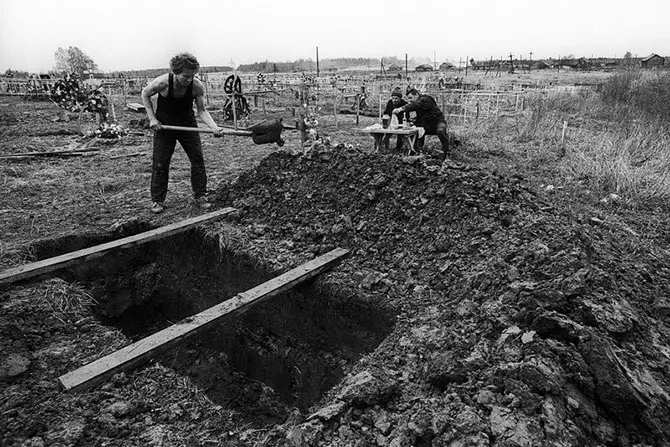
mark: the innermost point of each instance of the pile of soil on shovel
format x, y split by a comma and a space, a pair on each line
519, 322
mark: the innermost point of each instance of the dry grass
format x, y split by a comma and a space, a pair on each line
633, 162
64, 301
582, 137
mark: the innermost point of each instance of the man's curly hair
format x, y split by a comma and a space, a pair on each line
184, 61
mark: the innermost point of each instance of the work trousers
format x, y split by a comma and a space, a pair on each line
165, 142
441, 131
398, 143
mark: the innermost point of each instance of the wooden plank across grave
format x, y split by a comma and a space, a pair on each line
58, 262
141, 351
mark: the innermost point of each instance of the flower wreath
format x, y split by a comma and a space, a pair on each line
69, 95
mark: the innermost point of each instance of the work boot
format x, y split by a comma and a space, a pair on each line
418, 146
157, 207
201, 202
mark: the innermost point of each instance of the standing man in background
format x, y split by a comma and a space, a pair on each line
176, 92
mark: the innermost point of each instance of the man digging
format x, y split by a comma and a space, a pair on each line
176, 92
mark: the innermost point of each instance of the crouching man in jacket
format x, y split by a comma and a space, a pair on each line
429, 116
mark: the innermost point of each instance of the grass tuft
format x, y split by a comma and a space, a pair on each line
65, 301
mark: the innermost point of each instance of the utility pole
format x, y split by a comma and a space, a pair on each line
511, 61
406, 70
530, 62
317, 62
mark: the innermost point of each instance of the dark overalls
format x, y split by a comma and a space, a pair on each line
176, 112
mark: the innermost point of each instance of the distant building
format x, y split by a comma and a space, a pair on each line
540, 65
445, 66
651, 61
424, 67
608, 64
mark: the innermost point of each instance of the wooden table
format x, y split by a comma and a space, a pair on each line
408, 135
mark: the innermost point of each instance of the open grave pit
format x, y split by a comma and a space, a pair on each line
283, 353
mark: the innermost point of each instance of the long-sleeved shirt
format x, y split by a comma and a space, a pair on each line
390, 106
428, 114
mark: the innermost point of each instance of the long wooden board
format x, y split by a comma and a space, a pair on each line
66, 152
58, 262
141, 351
136, 106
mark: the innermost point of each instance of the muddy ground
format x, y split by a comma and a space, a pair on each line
476, 308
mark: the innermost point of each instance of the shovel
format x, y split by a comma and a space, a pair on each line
261, 133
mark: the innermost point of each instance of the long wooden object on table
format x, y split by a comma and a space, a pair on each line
49, 265
141, 351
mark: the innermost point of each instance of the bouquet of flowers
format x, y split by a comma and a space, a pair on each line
110, 131
311, 121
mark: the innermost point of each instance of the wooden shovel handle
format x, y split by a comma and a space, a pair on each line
243, 133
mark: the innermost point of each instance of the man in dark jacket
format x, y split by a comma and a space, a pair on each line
429, 116
395, 102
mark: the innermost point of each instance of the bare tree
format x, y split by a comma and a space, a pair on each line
73, 60
628, 58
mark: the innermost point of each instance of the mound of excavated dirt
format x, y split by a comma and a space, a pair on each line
518, 323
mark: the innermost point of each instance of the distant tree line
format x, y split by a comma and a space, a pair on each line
341, 63
308, 65
586, 63
155, 72
9, 73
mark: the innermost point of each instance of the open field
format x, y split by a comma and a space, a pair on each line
515, 294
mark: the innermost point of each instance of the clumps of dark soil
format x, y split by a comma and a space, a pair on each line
520, 322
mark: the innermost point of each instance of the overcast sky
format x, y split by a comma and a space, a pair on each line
137, 34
